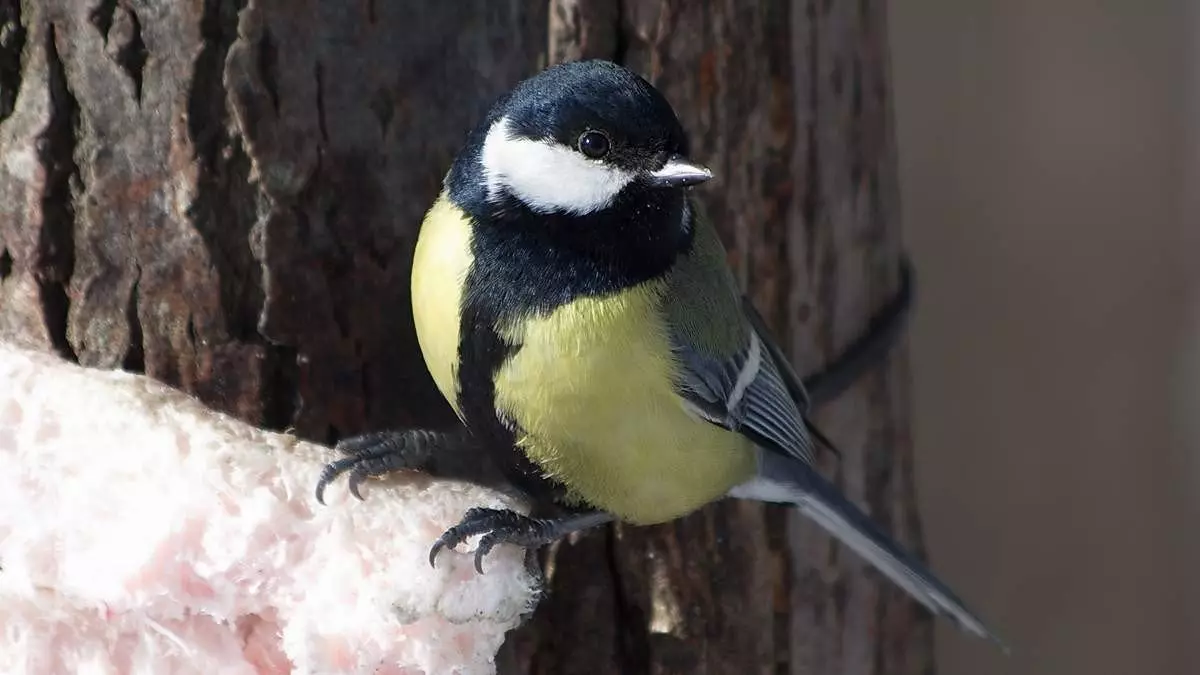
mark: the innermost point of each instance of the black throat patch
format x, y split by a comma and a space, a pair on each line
528, 264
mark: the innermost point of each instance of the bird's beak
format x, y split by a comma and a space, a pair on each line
678, 172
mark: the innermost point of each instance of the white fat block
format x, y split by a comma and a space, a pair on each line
141, 532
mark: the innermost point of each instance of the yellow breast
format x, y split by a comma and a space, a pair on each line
440, 264
591, 387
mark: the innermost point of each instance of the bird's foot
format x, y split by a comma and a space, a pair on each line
503, 526
378, 454
498, 526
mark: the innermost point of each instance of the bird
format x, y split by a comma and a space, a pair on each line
574, 305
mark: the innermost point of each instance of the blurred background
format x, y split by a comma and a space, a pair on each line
1050, 159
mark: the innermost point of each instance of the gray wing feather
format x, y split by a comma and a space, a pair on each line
788, 374
745, 393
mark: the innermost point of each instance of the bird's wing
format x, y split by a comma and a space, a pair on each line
791, 380
728, 369
744, 392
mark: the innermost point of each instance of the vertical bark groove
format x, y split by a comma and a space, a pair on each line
12, 46
225, 209
131, 52
102, 16
56, 250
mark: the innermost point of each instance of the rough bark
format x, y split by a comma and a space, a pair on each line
225, 194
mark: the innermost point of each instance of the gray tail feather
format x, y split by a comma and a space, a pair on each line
825, 505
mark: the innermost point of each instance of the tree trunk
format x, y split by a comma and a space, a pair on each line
225, 195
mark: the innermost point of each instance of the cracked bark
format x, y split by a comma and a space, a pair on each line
224, 194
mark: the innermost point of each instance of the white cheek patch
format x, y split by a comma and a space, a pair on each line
546, 176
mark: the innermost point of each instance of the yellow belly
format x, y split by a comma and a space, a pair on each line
591, 388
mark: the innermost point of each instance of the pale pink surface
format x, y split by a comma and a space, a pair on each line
142, 533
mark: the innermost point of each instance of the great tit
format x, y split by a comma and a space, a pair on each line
576, 309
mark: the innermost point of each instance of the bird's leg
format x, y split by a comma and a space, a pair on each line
450, 455
502, 526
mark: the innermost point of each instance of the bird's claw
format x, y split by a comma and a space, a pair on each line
371, 455
498, 526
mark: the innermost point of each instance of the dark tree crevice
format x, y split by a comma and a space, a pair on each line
135, 356
56, 249
132, 55
319, 76
282, 398
102, 16
268, 67
12, 46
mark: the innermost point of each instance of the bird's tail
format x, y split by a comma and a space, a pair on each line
798, 483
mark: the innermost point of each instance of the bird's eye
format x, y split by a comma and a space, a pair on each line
594, 144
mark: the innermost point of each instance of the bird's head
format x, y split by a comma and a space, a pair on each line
576, 137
